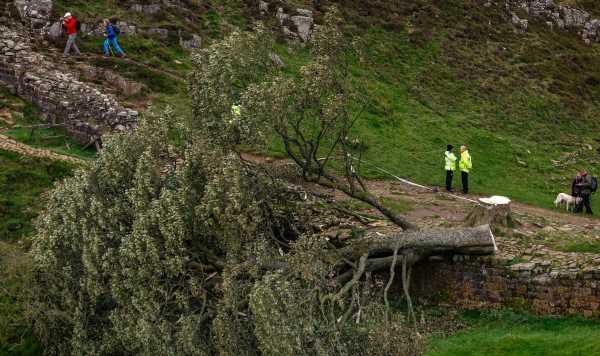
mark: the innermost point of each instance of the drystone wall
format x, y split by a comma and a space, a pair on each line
535, 286
83, 109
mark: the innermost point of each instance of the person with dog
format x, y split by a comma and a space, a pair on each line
71, 26
465, 165
585, 187
575, 189
111, 43
450, 159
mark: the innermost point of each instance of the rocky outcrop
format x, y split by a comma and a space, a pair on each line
296, 26
150, 9
303, 25
555, 14
35, 12
192, 43
86, 111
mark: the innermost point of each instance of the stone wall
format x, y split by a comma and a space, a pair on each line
481, 283
85, 110
561, 16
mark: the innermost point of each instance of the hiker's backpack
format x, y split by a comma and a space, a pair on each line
117, 30
594, 184
78, 25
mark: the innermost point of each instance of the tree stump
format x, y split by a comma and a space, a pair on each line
494, 211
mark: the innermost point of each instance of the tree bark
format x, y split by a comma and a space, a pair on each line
498, 215
414, 246
474, 241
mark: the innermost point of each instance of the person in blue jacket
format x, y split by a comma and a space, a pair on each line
111, 32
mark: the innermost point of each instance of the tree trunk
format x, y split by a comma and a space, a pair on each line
491, 213
417, 245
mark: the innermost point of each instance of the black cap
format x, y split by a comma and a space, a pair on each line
449, 147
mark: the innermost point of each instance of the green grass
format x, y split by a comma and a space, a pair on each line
579, 246
15, 274
508, 333
53, 139
208, 18
22, 182
399, 205
26, 346
565, 241
461, 75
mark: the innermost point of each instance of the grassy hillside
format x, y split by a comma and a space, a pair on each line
436, 72
450, 72
22, 182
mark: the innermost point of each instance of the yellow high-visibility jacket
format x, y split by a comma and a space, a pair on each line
236, 110
450, 161
465, 162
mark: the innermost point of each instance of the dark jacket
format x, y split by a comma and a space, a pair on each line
575, 189
586, 185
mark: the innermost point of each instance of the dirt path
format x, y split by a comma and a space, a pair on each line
549, 237
429, 202
8, 144
89, 58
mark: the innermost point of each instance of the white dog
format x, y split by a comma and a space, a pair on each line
569, 201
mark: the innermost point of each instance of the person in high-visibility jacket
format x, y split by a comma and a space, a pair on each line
465, 167
236, 111
450, 167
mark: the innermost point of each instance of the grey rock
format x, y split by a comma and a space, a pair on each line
137, 8
282, 16
193, 43
55, 32
276, 60
127, 28
304, 12
263, 6
150, 9
556, 14
161, 33
289, 34
523, 266
304, 26
519, 23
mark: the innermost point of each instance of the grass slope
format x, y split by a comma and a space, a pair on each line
508, 333
456, 72
15, 277
22, 182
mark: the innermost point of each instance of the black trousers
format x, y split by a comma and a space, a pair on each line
465, 181
585, 202
449, 176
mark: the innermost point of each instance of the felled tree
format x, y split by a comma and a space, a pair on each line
132, 255
186, 249
310, 113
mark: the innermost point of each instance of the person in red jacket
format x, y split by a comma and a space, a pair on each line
70, 25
